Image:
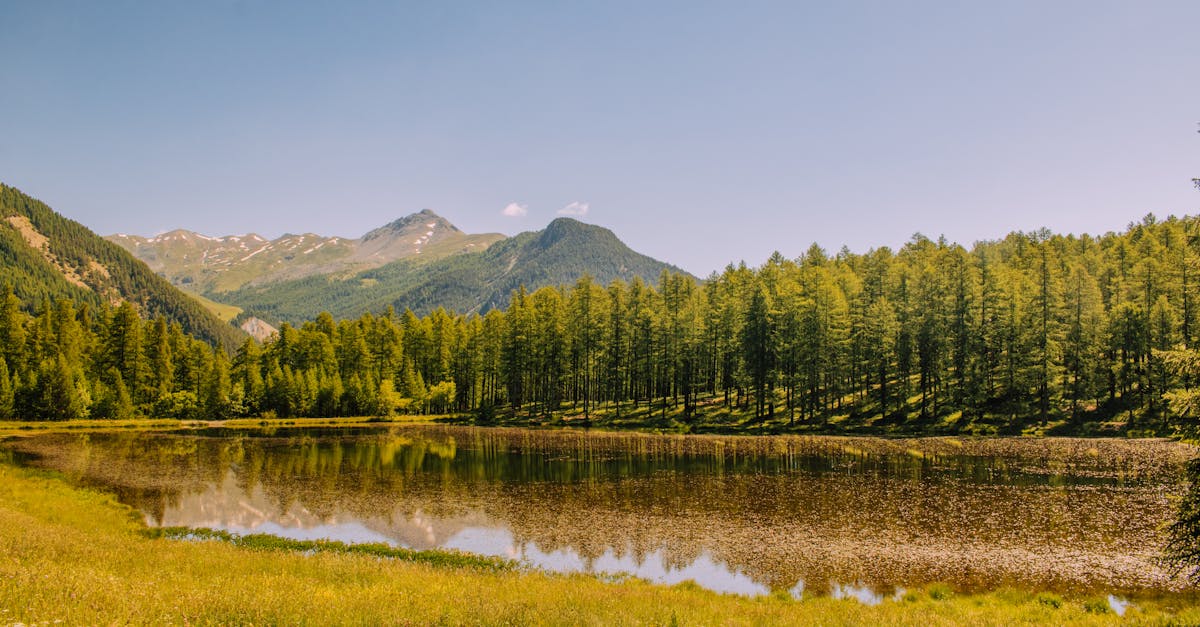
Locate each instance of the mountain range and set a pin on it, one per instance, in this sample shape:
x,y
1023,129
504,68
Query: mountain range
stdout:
x,y
204,265
419,262
467,282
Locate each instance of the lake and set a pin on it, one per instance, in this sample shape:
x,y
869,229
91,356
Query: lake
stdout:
x,y
860,517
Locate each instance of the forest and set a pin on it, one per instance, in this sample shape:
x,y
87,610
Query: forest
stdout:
x,y
1032,330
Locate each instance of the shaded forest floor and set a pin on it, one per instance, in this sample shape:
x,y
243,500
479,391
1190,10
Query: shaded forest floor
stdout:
x,y
712,414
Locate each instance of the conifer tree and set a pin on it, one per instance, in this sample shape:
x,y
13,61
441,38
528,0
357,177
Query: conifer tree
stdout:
x,y
12,331
7,393
61,396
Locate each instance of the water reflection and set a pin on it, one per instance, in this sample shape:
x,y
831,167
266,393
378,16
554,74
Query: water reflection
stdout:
x,y
740,515
858,591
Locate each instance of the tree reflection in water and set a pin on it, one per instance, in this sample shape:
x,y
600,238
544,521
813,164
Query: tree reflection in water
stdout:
x,y
829,515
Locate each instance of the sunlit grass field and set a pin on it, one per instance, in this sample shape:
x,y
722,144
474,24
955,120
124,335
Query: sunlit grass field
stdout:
x,y
78,556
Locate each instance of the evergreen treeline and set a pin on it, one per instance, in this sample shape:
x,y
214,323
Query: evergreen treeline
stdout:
x,y
70,362
103,271
1029,329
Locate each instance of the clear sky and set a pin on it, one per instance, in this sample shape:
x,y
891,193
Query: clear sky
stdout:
x,y
701,133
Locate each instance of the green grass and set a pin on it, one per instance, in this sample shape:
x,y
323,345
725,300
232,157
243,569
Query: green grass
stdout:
x,y
344,421
221,310
77,556
16,427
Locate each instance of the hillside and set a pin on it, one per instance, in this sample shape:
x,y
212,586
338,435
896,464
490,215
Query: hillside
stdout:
x,y
558,255
44,255
210,265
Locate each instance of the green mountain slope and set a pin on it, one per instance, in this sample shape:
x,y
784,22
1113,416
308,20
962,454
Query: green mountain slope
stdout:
x,y
558,255
44,255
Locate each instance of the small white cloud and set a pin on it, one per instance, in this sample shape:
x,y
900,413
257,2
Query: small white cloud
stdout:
x,y
576,208
515,210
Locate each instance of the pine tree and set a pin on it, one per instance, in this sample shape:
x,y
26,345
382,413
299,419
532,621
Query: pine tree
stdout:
x,y
247,372
387,399
12,332
516,347
1163,335
7,393
880,336
216,402
121,407
616,355
759,343
61,395
161,371
547,352
124,347
1082,342
586,305
1046,316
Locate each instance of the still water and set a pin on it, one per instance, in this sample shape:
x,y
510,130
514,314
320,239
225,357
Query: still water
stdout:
x,y
860,517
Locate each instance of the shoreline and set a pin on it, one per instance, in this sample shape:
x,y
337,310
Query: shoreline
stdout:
x,y
12,427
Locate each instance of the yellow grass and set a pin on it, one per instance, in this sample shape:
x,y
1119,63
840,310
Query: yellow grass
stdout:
x,y
77,556
15,427
220,310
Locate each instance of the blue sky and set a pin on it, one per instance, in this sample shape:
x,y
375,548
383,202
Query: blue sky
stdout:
x,y
701,133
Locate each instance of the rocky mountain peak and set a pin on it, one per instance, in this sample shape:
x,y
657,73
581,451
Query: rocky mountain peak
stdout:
x,y
416,224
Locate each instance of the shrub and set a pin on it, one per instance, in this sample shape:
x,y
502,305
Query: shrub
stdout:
x,y
939,592
1049,600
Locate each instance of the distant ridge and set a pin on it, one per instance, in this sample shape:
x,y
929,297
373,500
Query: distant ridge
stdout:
x,y
477,282
420,261
212,265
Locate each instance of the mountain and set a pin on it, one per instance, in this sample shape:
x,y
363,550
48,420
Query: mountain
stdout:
x,y
475,282
425,234
44,255
211,265
258,329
